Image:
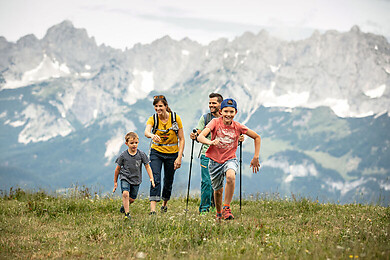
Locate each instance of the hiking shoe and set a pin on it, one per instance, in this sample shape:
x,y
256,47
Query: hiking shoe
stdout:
x,y
127,216
164,209
218,216
227,213
122,210
203,213
152,213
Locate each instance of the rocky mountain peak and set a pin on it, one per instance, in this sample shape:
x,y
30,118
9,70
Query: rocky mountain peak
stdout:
x,y
66,33
27,41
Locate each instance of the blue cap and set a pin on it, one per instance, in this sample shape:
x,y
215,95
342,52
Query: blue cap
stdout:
x,y
229,102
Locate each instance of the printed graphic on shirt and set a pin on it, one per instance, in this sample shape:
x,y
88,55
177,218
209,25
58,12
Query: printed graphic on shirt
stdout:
x,y
138,163
226,137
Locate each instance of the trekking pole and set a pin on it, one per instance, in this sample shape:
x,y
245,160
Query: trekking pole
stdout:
x,y
240,144
189,175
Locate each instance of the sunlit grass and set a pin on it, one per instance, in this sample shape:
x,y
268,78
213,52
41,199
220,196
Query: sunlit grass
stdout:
x,y
37,225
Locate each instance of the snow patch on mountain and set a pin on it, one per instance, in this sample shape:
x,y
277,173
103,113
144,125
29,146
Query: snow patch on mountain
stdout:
x,y
292,170
16,123
291,99
384,185
48,68
274,68
42,125
345,187
268,98
140,87
376,92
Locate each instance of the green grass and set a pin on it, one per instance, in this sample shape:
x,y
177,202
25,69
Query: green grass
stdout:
x,y
38,225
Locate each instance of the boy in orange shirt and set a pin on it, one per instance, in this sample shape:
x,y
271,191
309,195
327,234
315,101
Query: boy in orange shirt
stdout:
x,y
222,153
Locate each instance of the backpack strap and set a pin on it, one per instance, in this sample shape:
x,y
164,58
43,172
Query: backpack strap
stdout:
x,y
155,123
207,118
173,121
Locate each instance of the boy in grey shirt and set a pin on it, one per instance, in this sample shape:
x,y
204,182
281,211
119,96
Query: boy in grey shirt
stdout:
x,y
129,168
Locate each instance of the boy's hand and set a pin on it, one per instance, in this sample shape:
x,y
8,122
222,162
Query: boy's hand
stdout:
x,y
115,186
241,138
255,164
214,142
152,181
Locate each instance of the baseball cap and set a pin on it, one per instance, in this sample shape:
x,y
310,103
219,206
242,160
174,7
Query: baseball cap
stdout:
x,y
229,102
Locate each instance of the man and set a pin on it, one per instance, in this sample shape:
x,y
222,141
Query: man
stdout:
x,y
206,194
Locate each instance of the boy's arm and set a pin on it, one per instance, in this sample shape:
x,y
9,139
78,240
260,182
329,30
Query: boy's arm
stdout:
x,y
180,135
202,137
117,169
255,164
150,173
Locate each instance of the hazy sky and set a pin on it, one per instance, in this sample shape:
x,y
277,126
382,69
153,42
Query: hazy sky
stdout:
x,y
122,23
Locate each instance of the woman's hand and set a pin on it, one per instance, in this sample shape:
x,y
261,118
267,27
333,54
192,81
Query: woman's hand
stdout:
x,y
156,138
177,163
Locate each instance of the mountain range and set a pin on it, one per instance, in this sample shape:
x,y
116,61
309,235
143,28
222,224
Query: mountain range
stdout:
x,y
321,106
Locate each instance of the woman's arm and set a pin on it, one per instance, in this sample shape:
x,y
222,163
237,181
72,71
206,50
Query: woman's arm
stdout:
x,y
148,133
180,135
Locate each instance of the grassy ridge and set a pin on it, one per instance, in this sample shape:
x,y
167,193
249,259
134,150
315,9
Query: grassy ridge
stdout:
x,y
37,225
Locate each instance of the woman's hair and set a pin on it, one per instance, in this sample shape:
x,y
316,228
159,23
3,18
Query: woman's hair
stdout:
x,y
164,101
131,135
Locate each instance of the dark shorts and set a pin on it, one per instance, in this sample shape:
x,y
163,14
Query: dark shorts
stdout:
x,y
132,189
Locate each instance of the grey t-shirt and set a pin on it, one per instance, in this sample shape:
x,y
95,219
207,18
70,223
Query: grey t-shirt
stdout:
x,y
131,166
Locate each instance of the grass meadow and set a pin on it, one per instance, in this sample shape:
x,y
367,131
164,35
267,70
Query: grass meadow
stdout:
x,y
37,225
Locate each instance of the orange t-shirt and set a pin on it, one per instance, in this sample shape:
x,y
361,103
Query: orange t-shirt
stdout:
x,y
167,137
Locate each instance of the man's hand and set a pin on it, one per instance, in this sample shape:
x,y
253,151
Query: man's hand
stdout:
x,y
152,181
115,186
193,136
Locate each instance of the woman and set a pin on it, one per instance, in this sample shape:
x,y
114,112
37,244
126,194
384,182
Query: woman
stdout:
x,y
166,131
